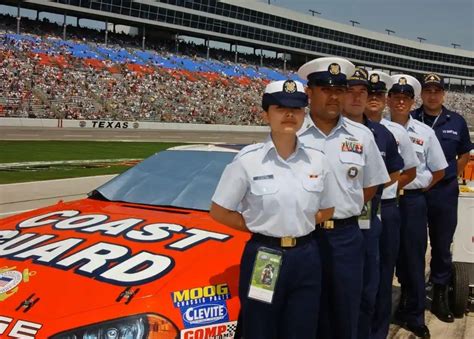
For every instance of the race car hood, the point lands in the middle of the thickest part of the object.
(73, 258)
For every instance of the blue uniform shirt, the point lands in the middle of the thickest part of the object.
(452, 133)
(354, 158)
(277, 197)
(388, 148)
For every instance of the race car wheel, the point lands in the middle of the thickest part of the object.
(459, 289)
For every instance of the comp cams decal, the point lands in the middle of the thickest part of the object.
(202, 305)
(103, 261)
(219, 331)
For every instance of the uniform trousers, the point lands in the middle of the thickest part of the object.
(371, 278)
(442, 202)
(411, 259)
(342, 268)
(389, 244)
(295, 306)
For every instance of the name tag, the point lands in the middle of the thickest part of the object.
(263, 177)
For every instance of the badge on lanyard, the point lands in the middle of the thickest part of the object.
(266, 271)
(368, 212)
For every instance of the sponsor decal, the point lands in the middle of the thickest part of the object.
(10, 278)
(351, 146)
(207, 313)
(110, 124)
(219, 331)
(417, 141)
(202, 305)
(103, 261)
(82, 123)
(18, 328)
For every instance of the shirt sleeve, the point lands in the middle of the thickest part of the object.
(394, 161)
(375, 172)
(407, 151)
(435, 159)
(328, 198)
(465, 144)
(232, 186)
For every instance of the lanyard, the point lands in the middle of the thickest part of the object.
(434, 122)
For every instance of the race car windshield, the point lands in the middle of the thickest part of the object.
(185, 179)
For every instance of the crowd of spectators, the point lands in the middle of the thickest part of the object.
(69, 88)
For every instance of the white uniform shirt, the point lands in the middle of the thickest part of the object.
(406, 150)
(429, 153)
(277, 197)
(354, 158)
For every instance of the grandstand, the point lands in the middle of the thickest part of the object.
(71, 72)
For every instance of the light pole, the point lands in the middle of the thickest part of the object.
(353, 22)
(313, 12)
(421, 39)
(455, 45)
(389, 31)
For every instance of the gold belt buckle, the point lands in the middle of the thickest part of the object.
(288, 242)
(401, 192)
(328, 224)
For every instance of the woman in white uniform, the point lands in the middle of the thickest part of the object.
(278, 190)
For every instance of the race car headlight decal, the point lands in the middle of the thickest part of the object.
(146, 326)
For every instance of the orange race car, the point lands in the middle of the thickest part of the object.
(139, 258)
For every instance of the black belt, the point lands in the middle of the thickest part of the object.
(411, 192)
(283, 242)
(336, 223)
(388, 201)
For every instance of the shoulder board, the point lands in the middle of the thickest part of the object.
(312, 149)
(249, 149)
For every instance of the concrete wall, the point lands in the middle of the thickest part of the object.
(97, 124)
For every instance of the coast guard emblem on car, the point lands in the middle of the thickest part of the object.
(10, 279)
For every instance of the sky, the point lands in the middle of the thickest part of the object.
(440, 22)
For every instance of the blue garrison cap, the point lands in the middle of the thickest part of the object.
(432, 79)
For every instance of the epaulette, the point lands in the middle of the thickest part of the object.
(249, 149)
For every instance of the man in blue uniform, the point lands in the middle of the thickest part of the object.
(413, 212)
(389, 241)
(359, 170)
(354, 106)
(442, 198)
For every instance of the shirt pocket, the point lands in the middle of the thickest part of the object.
(352, 158)
(420, 152)
(263, 187)
(313, 184)
(451, 137)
